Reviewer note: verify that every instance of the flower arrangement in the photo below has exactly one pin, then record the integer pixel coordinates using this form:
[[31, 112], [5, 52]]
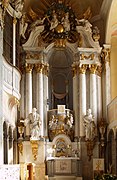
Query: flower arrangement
[[105, 177]]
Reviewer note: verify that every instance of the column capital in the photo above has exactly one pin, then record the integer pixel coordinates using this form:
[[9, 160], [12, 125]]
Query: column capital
[[93, 68], [46, 69], [74, 70], [39, 67], [14, 20], [105, 54], [29, 68], [83, 68], [99, 70]]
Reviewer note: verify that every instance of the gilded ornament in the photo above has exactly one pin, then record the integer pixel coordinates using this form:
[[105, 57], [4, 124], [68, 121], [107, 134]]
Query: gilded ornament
[[46, 69], [84, 57], [20, 146], [99, 70], [29, 68], [34, 144], [39, 67], [93, 68], [82, 69], [60, 43], [74, 70]]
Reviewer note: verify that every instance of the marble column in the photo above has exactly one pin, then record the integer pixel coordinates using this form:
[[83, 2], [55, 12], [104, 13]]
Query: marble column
[[29, 68], [106, 79], [1, 97], [99, 93], [14, 41], [46, 106], [82, 98], [93, 90], [22, 90], [40, 93], [75, 97], [10, 152]]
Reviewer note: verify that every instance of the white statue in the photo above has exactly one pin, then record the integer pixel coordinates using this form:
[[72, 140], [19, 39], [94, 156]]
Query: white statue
[[35, 124], [89, 125], [23, 26], [53, 122], [54, 22], [70, 120], [86, 24], [66, 22]]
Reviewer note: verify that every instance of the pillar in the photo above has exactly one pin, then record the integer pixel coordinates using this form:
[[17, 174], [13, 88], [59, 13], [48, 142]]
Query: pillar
[[75, 97], [113, 66], [82, 97], [99, 93], [39, 93], [14, 41], [106, 79], [22, 90], [28, 94], [93, 91], [46, 106]]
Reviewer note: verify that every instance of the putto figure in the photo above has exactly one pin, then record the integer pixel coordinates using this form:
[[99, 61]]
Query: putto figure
[[35, 124]]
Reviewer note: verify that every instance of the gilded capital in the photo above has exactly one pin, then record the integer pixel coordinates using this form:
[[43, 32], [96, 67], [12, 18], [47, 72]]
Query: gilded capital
[[14, 20], [82, 69], [74, 70], [29, 68], [46, 69], [105, 55], [93, 68], [99, 70], [39, 67]]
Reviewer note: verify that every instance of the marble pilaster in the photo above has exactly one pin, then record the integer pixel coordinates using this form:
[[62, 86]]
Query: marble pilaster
[[75, 97], [46, 106], [82, 97], [106, 78], [39, 93], [93, 91], [14, 41], [22, 103], [99, 93], [28, 93]]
